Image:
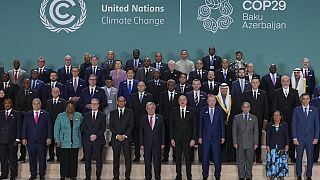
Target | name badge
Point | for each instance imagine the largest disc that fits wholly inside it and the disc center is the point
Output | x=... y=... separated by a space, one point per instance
x=109 y=101
x=211 y=67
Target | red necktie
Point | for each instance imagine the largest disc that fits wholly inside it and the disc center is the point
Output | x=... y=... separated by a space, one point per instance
x=305 y=73
x=36 y=119
x=151 y=121
x=16 y=75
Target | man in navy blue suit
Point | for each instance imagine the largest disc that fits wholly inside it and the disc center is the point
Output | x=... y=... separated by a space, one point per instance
x=97 y=70
x=305 y=133
x=44 y=72
x=161 y=66
x=64 y=73
x=198 y=73
x=35 y=82
x=135 y=62
x=182 y=87
x=308 y=73
x=211 y=136
x=128 y=87
x=211 y=61
x=90 y=92
x=46 y=90
x=37 y=133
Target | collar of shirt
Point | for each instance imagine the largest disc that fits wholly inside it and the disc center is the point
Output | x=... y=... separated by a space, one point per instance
x=199 y=70
x=182 y=85
x=8 y=111
x=184 y=109
x=76 y=78
x=121 y=109
x=94 y=88
x=285 y=90
x=128 y=81
x=225 y=70
x=141 y=93
x=243 y=115
x=211 y=108
x=156 y=80
x=303 y=107
x=147 y=68
x=174 y=91
x=153 y=117
x=55 y=99
x=275 y=75
x=196 y=92
x=53 y=83
x=34 y=112
x=41 y=68
x=67 y=67
x=253 y=91
x=96 y=112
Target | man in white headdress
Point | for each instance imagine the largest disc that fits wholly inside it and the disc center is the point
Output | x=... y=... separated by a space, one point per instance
x=298 y=82
x=225 y=102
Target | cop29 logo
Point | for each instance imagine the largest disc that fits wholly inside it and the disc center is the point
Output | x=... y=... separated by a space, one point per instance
x=58 y=21
x=215 y=15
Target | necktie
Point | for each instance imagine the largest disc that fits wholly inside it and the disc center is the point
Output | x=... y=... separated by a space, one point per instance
x=54 y=101
x=255 y=95
x=286 y=93
x=94 y=70
x=40 y=71
x=121 y=114
x=26 y=93
x=151 y=121
x=211 y=87
x=16 y=75
x=305 y=73
x=75 y=84
x=211 y=60
x=171 y=96
x=196 y=100
x=225 y=75
x=110 y=62
x=306 y=113
x=36 y=119
x=181 y=89
x=7 y=115
x=94 y=117
x=129 y=87
x=158 y=65
x=246 y=117
x=141 y=98
x=91 y=92
x=273 y=79
x=147 y=71
x=68 y=70
x=241 y=85
x=199 y=73
x=211 y=114
x=156 y=83
x=182 y=114
x=34 y=84
x=52 y=85
x=135 y=64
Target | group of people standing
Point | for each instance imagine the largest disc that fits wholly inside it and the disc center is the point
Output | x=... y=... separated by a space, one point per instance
x=216 y=106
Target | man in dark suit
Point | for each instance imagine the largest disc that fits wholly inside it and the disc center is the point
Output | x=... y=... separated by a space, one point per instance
x=128 y=87
x=35 y=82
x=97 y=70
x=315 y=102
x=161 y=66
x=198 y=73
x=135 y=62
x=238 y=87
x=46 y=90
x=10 y=126
x=1 y=72
x=155 y=86
x=55 y=106
x=183 y=133
x=84 y=65
x=93 y=128
x=211 y=136
x=64 y=73
x=250 y=74
x=305 y=133
x=90 y=92
x=37 y=133
x=285 y=100
x=269 y=83
x=211 y=86
x=308 y=73
x=10 y=88
x=225 y=75
x=152 y=140
x=211 y=61
x=121 y=126
x=24 y=104
x=259 y=107
x=145 y=73
x=182 y=87
x=171 y=73
x=108 y=64
x=138 y=105
x=44 y=72
x=168 y=101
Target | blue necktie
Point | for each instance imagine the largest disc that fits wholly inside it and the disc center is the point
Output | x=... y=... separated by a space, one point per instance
x=211 y=60
x=129 y=87
x=211 y=114
x=33 y=84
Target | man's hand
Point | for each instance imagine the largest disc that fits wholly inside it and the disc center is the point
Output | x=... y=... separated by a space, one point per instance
x=296 y=142
x=315 y=141
x=48 y=142
x=200 y=140
x=173 y=143
x=24 y=142
x=93 y=137
x=235 y=146
x=142 y=147
x=162 y=146
x=192 y=143
x=223 y=140
x=88 y=106
x=268 y=148
x=255 y=147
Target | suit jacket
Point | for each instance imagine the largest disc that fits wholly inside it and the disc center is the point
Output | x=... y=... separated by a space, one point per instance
x=156 y=90
x=37 y=133
x=83 y=68
x=245 y=133
x=163 y=66
x=205 y=87
x=108 y=66
x=69 y=90
x=123 y=126
x=62 y=130
x=55 y=109
x=254 y=75
x=46 y=92
x=10 y=128
x=236 y=93
x=130 y=64
x=62 y=76
x=24 y=101
x=97 y=127
x=310 y=81
x=229 y=78
x=194 y=75
x=285 y=104
x=142 y=76
x=202 y=101
x=38 y=85
x=166 y=75
x=278 y=138
x=85 y=98
x=100 y=75
x=45 y=75
x=267 y=85
x=259 y=106
x=316 y=91
x=207 y=64
x=165 y=106
x=211 y=131
x=123 y=90
x=185 y=129
x=139 y=109
x=10 y=91
x=21 y=76
x=152 y=137
x=305 y=129
x=187 y=88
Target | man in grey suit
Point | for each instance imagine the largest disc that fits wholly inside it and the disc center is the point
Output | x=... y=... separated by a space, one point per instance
x=111 y=94
x=245 y=133
x=145 y=73
x=17 y=75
